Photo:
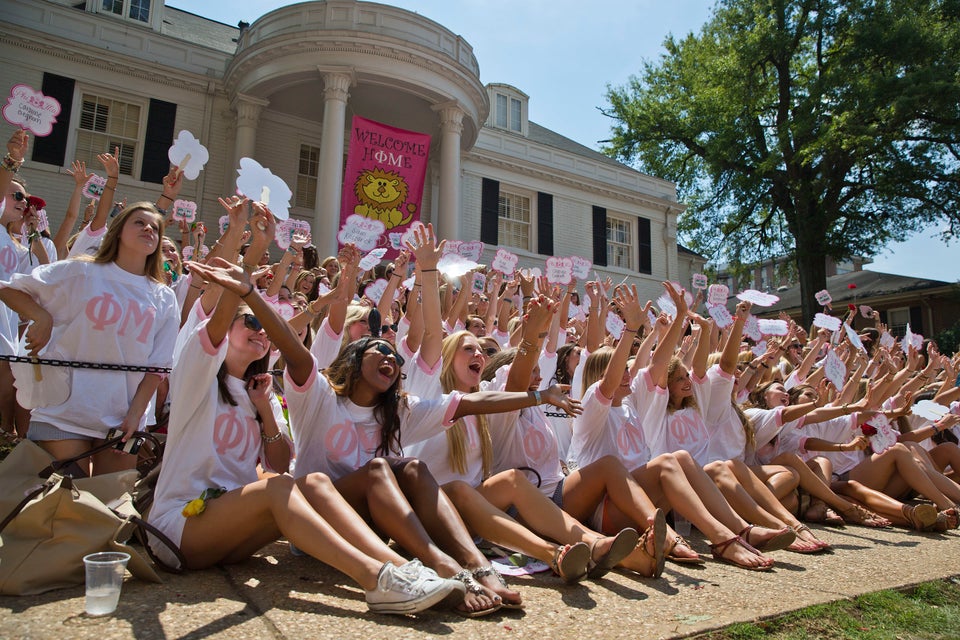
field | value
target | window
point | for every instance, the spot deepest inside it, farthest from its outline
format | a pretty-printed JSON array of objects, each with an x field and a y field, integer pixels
[
  {"x": 514, "y": 222},
  {"x": 307, "y": 173},
  {"x": 620, "y": 242},
  {"x": 897, "y": 320},
  {"x": 138, "y": 10},
  {"x": 104, "y": 125},
  {"x": 509, "y": 113}
]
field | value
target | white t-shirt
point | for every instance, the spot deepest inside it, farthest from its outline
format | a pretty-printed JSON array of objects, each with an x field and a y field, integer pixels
[
  {"x": 10, "y": 253},
  {"x": 769, "y": 436},
  {"x": 603, "y": 429},
  {"x": 667, "y": 432},
  {"x": 524, "y": 438},
  {"x": 326, "y": 344},
  {"x": 842, "y": 429},
  {"x": 87, "y": 242},
  {"x": 337, "y": 437},
  {"x": 103, "y": 314},
  {"x": 729, "y": 440},
  {"x": 435, "y": 451},
  {"x": 210, "y": 443}
]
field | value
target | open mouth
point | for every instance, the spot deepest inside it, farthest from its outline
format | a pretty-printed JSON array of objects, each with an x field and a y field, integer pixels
[
  {"x": 476, "y": 367},
  {"x": 386, "y": 369}
]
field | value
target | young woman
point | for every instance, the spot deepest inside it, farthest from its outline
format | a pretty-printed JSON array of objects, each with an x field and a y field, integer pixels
[
  {"x": 113, "y": 308},
  {"x": 609, "y": 427},
  {"x": 225, "y": 418}
]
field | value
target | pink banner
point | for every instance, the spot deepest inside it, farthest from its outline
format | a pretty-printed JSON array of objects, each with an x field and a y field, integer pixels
[{"x": 384, "y": 177}]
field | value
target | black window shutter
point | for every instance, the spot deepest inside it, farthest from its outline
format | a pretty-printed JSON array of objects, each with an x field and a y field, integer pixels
[
  {"x": 645, "y": 246},
  {"x": 916, "y": 320},
  {"x": 160, "y": 123},
  {"x": 489, "y": 211},
  {"x": 52, "y": 149},
  {"x": 545, "y": 224},
  {"x": 600, "y": 236},
  {"x": 883, "y": 316}
]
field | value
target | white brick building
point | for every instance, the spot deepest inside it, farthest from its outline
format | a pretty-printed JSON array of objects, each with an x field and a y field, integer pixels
[{"x": 282, "y": 90}]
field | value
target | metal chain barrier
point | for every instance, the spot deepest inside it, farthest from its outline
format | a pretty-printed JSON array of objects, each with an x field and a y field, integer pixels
[{"x": 86, "y": 365}]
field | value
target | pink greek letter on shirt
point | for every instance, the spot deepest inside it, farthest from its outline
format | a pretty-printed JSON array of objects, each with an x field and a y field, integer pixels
[
  {"x": 232, "y": 430},
  {"x": 683, "y": 429},
  {"x": 534, "y": 444},
  {"x": 340, "y": 441},
  {"x": 103, "y": 311},
  {"x": 8, "y": 261},
  {"x": 140, "y": 317},
  {"x": 629, "y": 440}
]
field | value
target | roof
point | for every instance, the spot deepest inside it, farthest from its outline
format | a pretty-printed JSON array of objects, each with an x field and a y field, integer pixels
[
  {"x": 544, "y": 136},
  {"x": 683, "y": 249},
  {"x": 190, "y": 27},
  {"x": 867, "y": 285}
]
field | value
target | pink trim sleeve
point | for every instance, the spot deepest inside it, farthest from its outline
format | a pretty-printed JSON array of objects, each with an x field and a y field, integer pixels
[
  {"x": 205, "y": 342},
  {"x": 306, "y": 385},
  {"x": 448, "y": 416}
]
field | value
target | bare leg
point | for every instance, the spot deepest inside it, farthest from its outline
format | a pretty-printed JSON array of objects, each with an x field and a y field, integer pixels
[
  {"x": 781, "y": 479},
  {"x": 898, "y": 462},
  {"x": 890, "y": 508}
]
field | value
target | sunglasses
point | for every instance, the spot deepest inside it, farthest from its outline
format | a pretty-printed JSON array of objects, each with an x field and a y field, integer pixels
[
  {"x": 795, "y": 346},
  {"x": 19, "y": 196},
  {"x": 386, "y": 350},
  {"x": 490, "y": 351},
  {"x": 250, "y": 322},
  {"x": 390, "y": 327}
]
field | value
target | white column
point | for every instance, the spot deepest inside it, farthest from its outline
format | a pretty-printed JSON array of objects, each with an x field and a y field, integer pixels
[
  {"x": 326, "y": 217},
  {"x": 451, "y": 126},
  {"x": 248, "y": 109}
]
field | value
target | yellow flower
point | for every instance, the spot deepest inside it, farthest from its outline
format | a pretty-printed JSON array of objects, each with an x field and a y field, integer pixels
[{"x": 194, "y": 507}]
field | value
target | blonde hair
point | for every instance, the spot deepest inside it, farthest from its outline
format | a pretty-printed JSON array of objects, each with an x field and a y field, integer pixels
[
  {"x": 595, "y": 367},
  {"x": 688, "y": 402},
  {"x": 457, "y": 433},
  {"x": 110, "y": 245}
]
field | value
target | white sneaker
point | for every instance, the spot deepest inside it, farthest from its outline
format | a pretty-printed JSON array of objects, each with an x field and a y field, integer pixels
[{"x": 408, "y": 589}]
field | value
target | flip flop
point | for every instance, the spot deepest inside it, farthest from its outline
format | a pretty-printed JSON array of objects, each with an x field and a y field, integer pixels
[
  {"x": 784, "y": 538},
  {"x": 622, "y": 546},
  {"x": 659, "y": 531},
  {"x": 718, "y": 550},
  {"x": 570, "y": 562},
  {"x": 698, "y": 559}
]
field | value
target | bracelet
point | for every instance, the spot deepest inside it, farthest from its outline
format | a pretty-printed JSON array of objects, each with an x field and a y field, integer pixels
[
  {"x": 427, "y": 270},
  {"x": 395, "y": 274},
  {"x": 193, "y": 286},
  {"x": 268, "y": 439},
  {"x": 10, "y": 164},
  {"x": 536, "y": 397},
  {"x": 248, "y": 292},
  {"x": 107, "y": 185},
  {"x": 631, "y": 330},
  {"x": 163, "y": 195}
]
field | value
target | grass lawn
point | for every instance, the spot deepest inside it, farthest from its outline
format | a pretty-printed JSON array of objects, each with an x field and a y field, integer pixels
[{"x": 930, "y": 611}]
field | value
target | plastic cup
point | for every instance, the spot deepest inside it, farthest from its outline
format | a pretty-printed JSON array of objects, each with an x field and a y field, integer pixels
[
  {"x": 104, "y": 579},
  {"x": 681, "y": 525}
]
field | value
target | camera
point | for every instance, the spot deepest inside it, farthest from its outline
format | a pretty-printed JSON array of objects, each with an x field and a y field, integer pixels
[{"x": 131, "y": 446}]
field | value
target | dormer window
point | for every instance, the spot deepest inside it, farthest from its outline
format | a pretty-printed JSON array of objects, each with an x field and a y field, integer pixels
[
  {"x": 509, "y": 108},
  {"x": 137, "y": 10}
]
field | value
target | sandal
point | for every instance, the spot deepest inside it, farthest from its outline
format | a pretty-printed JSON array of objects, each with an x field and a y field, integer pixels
[
  {"x": 946, "y": 520},
  {"x": 659, "y": 531},
  {"x": 922, "y": 517},
  {"x": 622, "y": 546},
  {"x": 784, "y": 538},
  {"x": 570, "y": 562},
  {"x": 476, "y": 589},
  {"x": 858, "y": 515},
  {"x": 483, "y": 572},
  {"x": 823, "y": 514},
  {"x": 802, "y": 546},
  {"x": 683, "y": 559},
  {"x": 719, "y": 549}
]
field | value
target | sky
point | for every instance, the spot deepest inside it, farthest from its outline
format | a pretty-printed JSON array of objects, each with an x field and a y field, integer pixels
[{"x": 564, "y": 55}]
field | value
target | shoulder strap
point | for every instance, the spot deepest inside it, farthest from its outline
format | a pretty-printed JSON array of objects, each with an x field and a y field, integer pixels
[
  {"x": 23, "y": 503},
  {"x": 142, "y": 529}
]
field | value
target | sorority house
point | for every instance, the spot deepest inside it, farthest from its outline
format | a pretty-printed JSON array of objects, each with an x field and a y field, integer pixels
[{"x": 283, "y": 89}]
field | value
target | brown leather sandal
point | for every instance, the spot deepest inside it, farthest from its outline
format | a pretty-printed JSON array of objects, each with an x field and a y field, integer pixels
[{"x": 719, "y": 549}]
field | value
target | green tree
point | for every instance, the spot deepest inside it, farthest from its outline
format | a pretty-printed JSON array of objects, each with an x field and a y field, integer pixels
[{"x": 813, "y": 127}]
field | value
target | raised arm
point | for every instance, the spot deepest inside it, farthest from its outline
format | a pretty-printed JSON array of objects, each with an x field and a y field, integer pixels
[
  {"x": 427, "y": 253},
  {"x": 540, "y": 310},
  {"x": 666, "y": 347},
  {"x": 393, "y": 283},
  {"x": 731, "y": 349},
  {"x": 626, "y": 300},
  {"x": 111, "y": 165},
  {"x": 79, "y": 172},
  {"x": 349, "y": 259}
]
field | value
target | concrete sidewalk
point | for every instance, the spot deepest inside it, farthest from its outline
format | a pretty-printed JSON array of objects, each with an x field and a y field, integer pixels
[{"x": 277, "y": 595}]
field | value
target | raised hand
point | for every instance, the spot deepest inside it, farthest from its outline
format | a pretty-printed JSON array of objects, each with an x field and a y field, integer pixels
[
  {"x": 424, "y": 247},
  {"x": 17, "y": 145},
  {"x": 111, "y": 163},
  {"x": 79, "y": 172}
]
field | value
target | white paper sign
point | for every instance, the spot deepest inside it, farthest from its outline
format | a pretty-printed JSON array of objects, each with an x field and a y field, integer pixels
[
  {"x": 361, "y": 231},
  {"x": 375, "y": 290},
  {"x": 717, "y": 294},
  {"x": 887, "y": 341},
  {"x": 188, "y": 252},
  {"x": 290, "y": 229},
  {"x": 827, "y": 322},
  {"x": 751, "y": 328},
  {"x": 699, "y": 281},
  {"x": 929, "y": 410},
  {"x": 184, "y": 210},
  {"x": 260, "y": 185},
  {"x": 773, "y": 327},
  {"x": 866, "y": 311},
  {"x": 854, "y": 338},
  {"x": 93, "y": 188},
  {"x": 886, "y": 435},
  {"x": 373, "y": 258},
  {"x": 559, "y": 270},
  {"x": 188, "y": 155},
  {"x": 760, "y": 348},
  {"x": 504, "y": 262},
  {"x": 915, "y": 340},
  {"x": 29, "y": 109},
  {"x": 453, "y": 265},
  {"x": 720, "y": 315},
  {"x": 471, "y": 250},
  {"x": 758, "y": 298},
  {"x": 823, "y": 297},
  {"x": 666, "y": 305},
  {"x": 581, "y": 267},
  {"x": 531, "y": 272},
  {"x": 615, "y": 325},
  {"x": 223, "y": 223},
  {"x": 451, "y": 247},
  {"x": 834, "y": 369},
  {"x": 409, "y": 282},
  {"x": 651, "y": 317}
]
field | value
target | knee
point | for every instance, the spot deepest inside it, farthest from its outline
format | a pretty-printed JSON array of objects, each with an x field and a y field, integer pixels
[
  {"x": 666, "y": 463},
  {"x": 318, "y": 482},
  {"x": 378, "y": 468},
  {"x": 611, "y": 465},
  {"x": 280, "y": 486},
  {"x": 683, "y": 458},
  {"x": 457, "y": 490}
]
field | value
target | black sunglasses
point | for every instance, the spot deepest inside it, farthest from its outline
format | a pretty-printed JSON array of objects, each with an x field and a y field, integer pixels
[
  {"x": 386, "y": 350},
  {"x": 490, "y": 351},
  {"x": 19, "y": 196},
  {"x": 391, "y": 327},
  {"x": 250, "y": 322}
]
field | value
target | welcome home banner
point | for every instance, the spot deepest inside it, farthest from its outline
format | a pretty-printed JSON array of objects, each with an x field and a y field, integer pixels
[{"x": 384, "y": 176}]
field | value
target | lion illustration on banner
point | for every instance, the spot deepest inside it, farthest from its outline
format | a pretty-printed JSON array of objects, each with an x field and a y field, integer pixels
[{"x": 382, "y": 196}]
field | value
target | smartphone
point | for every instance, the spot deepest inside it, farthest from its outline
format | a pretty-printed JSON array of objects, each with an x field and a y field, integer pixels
[{"x": 131, "y": 446}]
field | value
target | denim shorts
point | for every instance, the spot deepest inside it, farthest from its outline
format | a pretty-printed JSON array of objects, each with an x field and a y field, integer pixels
[{"x": 40, "y": 431}]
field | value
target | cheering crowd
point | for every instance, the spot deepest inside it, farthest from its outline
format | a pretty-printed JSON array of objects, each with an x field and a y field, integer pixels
[{"x": 339, "y": 406}]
